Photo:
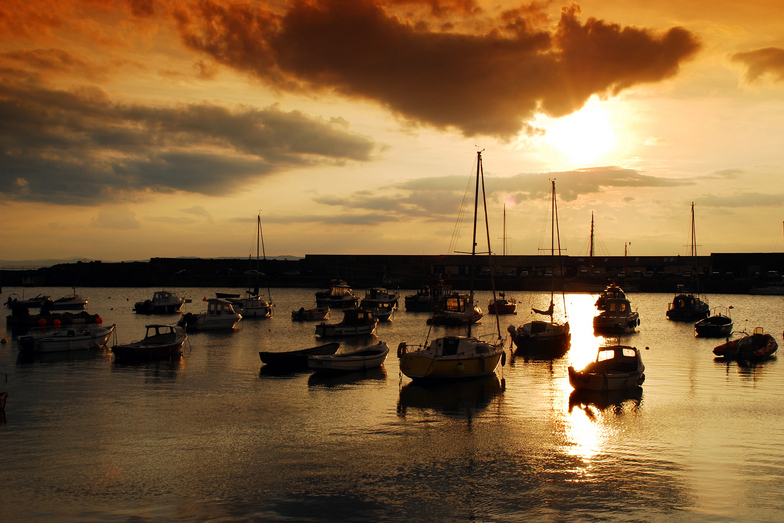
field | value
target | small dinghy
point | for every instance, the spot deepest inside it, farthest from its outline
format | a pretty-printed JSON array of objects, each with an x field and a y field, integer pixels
[
  {"x": 754, "y": 347},
  {"x": 362, "y": 359}
]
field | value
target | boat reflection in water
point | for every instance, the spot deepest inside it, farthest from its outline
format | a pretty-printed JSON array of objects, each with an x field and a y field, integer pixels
[
  {"x": 454, "y": 399},
  {"x": 339, "y": 379},
  {"x": 615, "y": 400}
]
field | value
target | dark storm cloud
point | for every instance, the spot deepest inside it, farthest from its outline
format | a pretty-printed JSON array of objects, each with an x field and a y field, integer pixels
[
  {"x": 490, "y": 81},
  {"x": 81, "y": 148},
  {"x": 767, "y": 61}
]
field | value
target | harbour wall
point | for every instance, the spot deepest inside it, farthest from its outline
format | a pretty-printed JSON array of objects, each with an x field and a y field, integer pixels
[{"x": 717, "y": 273}]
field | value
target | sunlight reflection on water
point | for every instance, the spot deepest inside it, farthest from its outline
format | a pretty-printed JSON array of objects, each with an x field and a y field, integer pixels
[{"x": 215, "y": 435}]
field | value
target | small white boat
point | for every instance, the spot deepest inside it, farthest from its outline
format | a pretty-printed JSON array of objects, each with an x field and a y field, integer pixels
[
  {"x": 252, "y": 306},
  {"x": 362, "y": 359},
  {"x": 356, "y": 322},
  {"x": 160, "y": 341},
  {"x": 69, "y": 339},
  {"x": 69, "y": 302},
  {"x": 162, "y": 302},
  {"x": 615, "y": 368},
  {"x": 339, "y": 296},
  {"x": 379, "y": 296},
  {"x": 220, "y": 315},
  {"x": 317, "y": 314},
  {"x": 384, "y": 311}
]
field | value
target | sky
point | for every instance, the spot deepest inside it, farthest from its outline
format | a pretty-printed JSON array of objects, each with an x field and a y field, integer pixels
[{"x": 133, "y": 129}]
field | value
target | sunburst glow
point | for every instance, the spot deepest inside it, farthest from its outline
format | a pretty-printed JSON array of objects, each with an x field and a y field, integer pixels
[{"x": 584, "y": 136}]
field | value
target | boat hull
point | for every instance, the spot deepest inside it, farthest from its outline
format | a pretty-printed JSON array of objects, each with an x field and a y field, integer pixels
[
  {"x": 67, "y": 340},
  {"x": 608, "y": 324},
  {"x": 605, "y": 381},
  {"x": 363, "y": 359},
  {"x": 541, "y": 339},
  {"x": 423, "y": 366},
  {"x": 326, "y": 330},
  {"x": 298, "y": 359},
  {"x": 317, "y": 314},
  {"x": 752, "y": 348}
]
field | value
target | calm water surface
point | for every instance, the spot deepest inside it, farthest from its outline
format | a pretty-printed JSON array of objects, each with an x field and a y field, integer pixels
[{"x": 215, "y": 436}]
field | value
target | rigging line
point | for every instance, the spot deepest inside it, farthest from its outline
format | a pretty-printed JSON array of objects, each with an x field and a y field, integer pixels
[
  {"x": 490, "y": 250},
  {"x": 460, "y": 216}
]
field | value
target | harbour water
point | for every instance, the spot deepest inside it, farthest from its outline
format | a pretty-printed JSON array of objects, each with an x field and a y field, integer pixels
[{"x": 216, "y": 436}]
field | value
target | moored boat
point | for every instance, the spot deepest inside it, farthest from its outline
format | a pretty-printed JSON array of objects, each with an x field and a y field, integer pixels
[
  {"x": 616, "y": 316},
  {"x": 547, "y": 339},
  {"x": 314, "y": 314},
  {"x": 502, "y": 305},
  {"x": 455, "y": 357},
  {"x": 717, "y": 325},
  {"x": 754, "y": 347},
  {"x": 615, "y": 368},
  {"x": 162, "y": 302},
  {"x": 457, "y": 309},
  {"x": 159, "y": 342},
  {"x": 379, "y": 296},
  {"x": 296, "y": 359},
  {"x": 220, "y": 315},
  {"x": 356, "y": 322},
  {"x": 362, "y": 359},
  {"x": 30, "y": 303},
  {"x": 339, "y": 296},
  {"x": 68, "y": 339},
  {"x": 72, "y": 301},
  {"x": 689, "y": 305},
  {"x": 428, "y": 297}
]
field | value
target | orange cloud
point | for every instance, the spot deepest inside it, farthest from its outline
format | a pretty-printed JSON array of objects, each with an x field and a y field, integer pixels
[
  {"x": 489, "y": 83},
  {"x": 769, "y": 60}
]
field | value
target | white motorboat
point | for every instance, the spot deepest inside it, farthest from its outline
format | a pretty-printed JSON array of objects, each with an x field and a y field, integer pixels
[
  {"x": 339, "y": 296},
  {"x": 68, "y": 339},
  {"x": 379, "y": 296},
  {"x": 69, "y": 302},
  {"x": 252, "y": 306},
  {"x": 356, "y": 322},
  {"x": 362, "y": 359},
  {"x": 220, "y": 315},
  {"x": 615, "y": 368},
  {"x": 315, "y": 314},
  {"x": 162, "y": 302},
  {"x": 616, "y": 316}
]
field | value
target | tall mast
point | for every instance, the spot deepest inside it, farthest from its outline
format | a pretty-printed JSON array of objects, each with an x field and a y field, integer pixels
[
  {"x": 591, "y": 249},
  {"x": 473, "y": 241}
]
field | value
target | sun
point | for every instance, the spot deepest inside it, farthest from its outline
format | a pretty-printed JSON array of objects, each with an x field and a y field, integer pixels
[{"x": 584, "y": 136}]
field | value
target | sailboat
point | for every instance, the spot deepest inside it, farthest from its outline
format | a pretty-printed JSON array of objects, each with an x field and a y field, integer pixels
[
  {"x": 503, "y": 305},
  {"x": 687, "y": 305},
  {"x": 456, "y": 357},
  {"x": 253, "y": 305},
  {"x": 546, "y": 339}
]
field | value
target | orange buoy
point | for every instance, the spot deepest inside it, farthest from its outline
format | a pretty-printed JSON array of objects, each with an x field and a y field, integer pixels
[
  {"x": 98, "y": 320},
  {"x": 42, "y": 322},
  {"x": 56, "y": 322},
  {"x": 4, "y": 341}
]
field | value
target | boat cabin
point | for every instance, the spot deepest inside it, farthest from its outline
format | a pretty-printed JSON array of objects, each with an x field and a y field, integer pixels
[
  {"x": 616, "y": 359},
  {"x": 218, "y": 307}
]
